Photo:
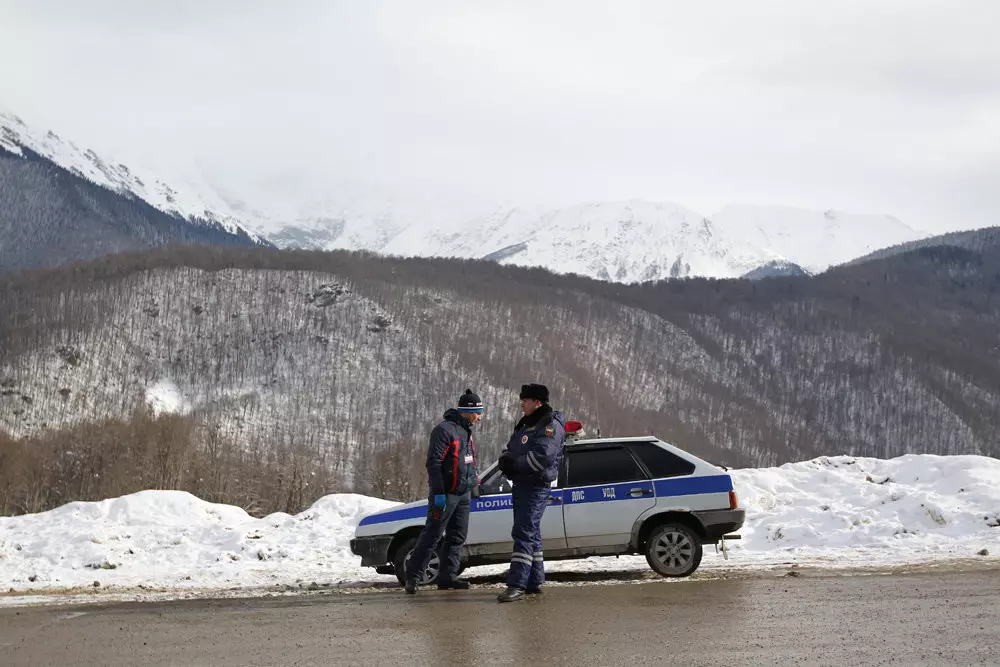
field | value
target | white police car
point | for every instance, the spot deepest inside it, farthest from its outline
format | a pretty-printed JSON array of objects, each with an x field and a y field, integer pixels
[{"x": 613, "y": 496}]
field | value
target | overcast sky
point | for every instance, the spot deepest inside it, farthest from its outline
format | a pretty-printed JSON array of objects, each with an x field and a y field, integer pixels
[{"x": 870, "y": 106}]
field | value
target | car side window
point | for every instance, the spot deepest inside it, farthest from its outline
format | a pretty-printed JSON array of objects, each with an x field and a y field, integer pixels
[
  {"x": 495, "y": 483},
  {"x": 659, "y": 462},
  {"x": 593, "y": 467}
]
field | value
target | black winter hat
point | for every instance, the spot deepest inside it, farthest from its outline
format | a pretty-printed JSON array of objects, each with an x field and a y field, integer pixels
[
  {"x": 470, "y": 402},
  {"x": 539, "y": 392}
]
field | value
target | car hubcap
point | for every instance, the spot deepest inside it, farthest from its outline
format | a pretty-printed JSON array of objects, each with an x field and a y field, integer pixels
[
  {"x": 430, "y": 572},
  {"x": 674, "y": 551}
]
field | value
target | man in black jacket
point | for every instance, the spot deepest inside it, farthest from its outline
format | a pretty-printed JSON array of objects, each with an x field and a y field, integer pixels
[
  {"x": 531, "y": 462},
  {"x": 451, "y": 476}
]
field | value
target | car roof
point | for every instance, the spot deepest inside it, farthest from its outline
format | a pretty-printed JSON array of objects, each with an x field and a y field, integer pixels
[{"x": 609, "y": 441}]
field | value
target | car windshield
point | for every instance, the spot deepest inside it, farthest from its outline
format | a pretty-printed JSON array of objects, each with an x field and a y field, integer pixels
[{"x": 495, "y": 482}]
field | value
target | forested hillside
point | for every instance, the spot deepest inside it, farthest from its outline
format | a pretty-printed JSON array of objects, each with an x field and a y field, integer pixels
[
  {"x": 295, "y": 373},
  {"x": 976, "y": 240}
]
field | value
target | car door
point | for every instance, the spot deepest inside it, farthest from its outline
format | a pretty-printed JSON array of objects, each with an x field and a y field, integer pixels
[
  {"x": 605, "y": 491},
  {"x": 491, "y": 517}
]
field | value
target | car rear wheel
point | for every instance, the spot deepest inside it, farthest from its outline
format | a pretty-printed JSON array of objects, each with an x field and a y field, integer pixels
[
  {"x": 402, "y": 559},
  {"x": 673, "y": 550}
]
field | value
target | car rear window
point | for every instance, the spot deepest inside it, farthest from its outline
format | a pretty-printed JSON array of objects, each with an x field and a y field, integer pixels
[
  {"x": 659, "y": 461},
  {"x": 592, "y": 467}
]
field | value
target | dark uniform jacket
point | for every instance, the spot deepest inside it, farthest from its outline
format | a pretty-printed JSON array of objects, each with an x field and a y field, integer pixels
[
  {"x": 451, "y": 456},
  {"x": 535, "y": 450}
]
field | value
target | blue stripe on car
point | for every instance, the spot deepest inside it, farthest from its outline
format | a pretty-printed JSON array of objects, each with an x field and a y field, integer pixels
[
  {"x": 395, "y": 515},
  {"x": 689, "y": 486},
  {"x": 664, "y": 488}
]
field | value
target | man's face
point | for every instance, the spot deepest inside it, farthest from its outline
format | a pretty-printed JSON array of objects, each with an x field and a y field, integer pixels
[
  {"x": 474, "y": 417},
  {"x": 529, "y": 405}
]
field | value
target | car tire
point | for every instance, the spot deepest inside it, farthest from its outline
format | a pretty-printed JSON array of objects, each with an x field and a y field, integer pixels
[
  {"x": 673, "y": 550},
  {"x": 401, "y": 557}
]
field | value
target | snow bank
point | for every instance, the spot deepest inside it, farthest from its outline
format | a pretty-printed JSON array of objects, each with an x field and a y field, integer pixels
[
  {"x": 835, "y": 512},
  {"x": 173, "y": 539},
  {"x": 869, "y": 511}
]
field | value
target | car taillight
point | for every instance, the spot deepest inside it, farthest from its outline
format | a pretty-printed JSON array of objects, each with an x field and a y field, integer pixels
[{"x": 733, "y": 500}]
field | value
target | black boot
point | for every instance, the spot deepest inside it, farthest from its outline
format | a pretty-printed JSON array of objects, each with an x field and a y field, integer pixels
[
  {"x": 454, "y": 585},
  {"x": 512, "y": 594},
  {"x": 410, "y": 587}
]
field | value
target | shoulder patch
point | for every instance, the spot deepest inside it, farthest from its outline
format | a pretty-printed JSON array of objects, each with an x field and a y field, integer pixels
[{"x": 550, "y": 430}]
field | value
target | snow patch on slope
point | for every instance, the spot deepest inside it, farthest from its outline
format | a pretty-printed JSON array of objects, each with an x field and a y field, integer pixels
[
  {"x": 165, "y": 397},
  {"x": 828, "y": 512}
]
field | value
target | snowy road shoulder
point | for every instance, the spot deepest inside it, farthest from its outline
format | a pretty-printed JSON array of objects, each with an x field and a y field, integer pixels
[{"x": 833, "y": 513}]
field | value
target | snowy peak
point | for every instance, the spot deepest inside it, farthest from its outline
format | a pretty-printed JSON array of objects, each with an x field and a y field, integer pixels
[
  {"x": 627, "y": 241},
  {"x": 188, "y": 202},
  {"x": 815, "y": 240},
  {"x": 623, "y": 241},
  {"x": 630, "y": 241}
]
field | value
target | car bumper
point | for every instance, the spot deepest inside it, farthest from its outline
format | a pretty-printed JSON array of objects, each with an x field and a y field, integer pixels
[
  {"x": 720, "y": 522},
  {"x": 374, "y": 551}
]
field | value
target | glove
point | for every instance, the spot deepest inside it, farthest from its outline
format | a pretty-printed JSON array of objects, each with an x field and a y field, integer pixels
[
  {"x": 440, "y": 501},
  {"x": 506, "y": 465}
]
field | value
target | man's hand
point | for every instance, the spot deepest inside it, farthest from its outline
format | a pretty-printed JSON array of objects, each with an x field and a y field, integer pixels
[
  {"x": 506, "y": 465},
  {"x": 440, "y": 501}
]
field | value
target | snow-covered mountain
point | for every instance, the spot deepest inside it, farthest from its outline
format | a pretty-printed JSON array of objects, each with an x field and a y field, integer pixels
[
  {"x": 189, "y": 200},
  {"x": 634, "y": 241},
  {"x": 627, "y": 241},
  {"x": 328, "y": 224},
  {"x": 622, "y": 241},
  {"x": 814, "y": 240}
]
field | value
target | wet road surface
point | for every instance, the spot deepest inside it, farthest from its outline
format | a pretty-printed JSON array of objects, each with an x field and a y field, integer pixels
[{"x": 945, "y": 618}]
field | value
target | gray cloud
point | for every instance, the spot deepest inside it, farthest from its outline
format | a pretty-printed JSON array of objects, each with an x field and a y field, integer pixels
[{"x": 885, "y": 107}]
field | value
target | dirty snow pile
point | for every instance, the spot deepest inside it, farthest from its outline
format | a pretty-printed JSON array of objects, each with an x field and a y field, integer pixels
[{"x": 836, "y": 511}]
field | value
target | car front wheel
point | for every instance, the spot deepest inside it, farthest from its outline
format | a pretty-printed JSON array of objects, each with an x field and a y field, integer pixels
[
  {"x": 402, "y": 559},
  {"x": 673, "y": 550}
]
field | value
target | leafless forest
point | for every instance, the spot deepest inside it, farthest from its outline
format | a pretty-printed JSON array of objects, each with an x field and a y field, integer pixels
[{"x": 291, "y": 374}]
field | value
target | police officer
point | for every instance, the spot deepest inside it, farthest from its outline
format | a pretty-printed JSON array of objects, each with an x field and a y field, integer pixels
[
  {"x": 451, "y": 476},
  {"x": 531, "y": 462}
]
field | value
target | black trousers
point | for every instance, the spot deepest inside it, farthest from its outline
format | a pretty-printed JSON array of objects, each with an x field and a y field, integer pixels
[{"x": 453, "y": 523}]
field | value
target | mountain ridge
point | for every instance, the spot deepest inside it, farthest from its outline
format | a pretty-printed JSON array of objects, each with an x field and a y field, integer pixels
[
  {"x": 60, "y": 204},
  {"x": 349, "y": 355},
  {"x": 630, "y": 240},
  {"x": 137, "y": 182}
]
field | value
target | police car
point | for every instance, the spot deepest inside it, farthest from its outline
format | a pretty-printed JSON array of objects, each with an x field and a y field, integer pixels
[{"x": 613, "y": 496}]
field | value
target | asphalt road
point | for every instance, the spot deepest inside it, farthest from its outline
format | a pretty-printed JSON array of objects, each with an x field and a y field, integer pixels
[{"x": 946, "y": 618}]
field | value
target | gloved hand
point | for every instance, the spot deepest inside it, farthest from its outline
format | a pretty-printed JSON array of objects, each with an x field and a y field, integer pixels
[
  {"x": 506, "y": 465},
  {"x": 440, "y": 501}
]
